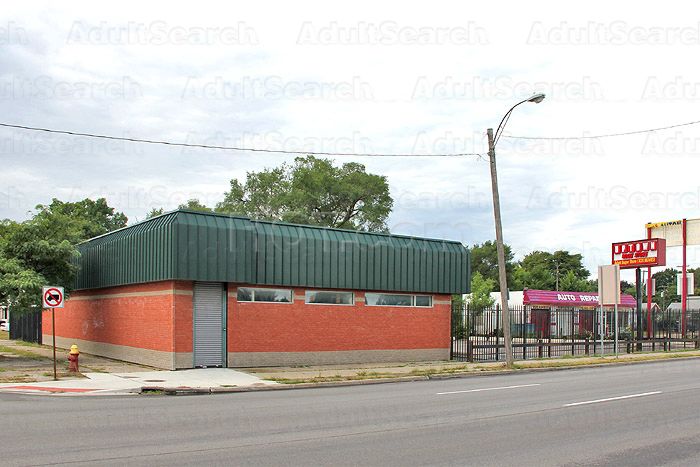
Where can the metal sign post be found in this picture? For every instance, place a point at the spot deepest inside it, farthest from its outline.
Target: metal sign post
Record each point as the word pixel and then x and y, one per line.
pixel 609 292
pixel 616 329
pixel 601 327
pixel 52 298
pixel 53 331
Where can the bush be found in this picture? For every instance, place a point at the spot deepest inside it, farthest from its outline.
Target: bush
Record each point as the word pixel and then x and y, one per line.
pixel 460 332
pixel 667 323
pixel 625 334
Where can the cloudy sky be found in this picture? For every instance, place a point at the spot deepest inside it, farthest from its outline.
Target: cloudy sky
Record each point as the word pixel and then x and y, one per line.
pixel 365 77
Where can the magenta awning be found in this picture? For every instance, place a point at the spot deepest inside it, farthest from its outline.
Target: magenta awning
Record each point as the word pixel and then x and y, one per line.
pixel 549 297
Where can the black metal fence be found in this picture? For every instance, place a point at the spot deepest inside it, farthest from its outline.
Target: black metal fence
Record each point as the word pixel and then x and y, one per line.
pixel 26 325
pixel 542 332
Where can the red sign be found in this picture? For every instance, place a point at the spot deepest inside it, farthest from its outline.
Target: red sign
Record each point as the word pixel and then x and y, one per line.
pixel 52 297
pixel 639 253
pixel 577 299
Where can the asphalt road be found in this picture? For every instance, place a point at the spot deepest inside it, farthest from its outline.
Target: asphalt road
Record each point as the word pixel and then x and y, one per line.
pixel 629 415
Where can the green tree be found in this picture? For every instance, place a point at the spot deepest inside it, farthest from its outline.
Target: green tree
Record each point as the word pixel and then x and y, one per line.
pixel 19 286
pixel 484 260
pixel 696 273
pixel 34 253
pixel 313 191
pixel 195 205
pixel 536 277
pixel 568 262
pixel 40 251
pixel 628 288
pixel 592 285
pixel 666 284
pixel 481 292
pixel 154 213
pixel 553 271
pixel 90 217
pixel 263 196
pixel 574 284
pixel 459 327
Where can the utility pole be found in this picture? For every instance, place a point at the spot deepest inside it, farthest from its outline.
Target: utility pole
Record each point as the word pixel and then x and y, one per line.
pixel 500 248
pixel 500 251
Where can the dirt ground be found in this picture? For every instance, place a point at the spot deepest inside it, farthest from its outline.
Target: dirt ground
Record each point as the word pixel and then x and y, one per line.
pixel 23 362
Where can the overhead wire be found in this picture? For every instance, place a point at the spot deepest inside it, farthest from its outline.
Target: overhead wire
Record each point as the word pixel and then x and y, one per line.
pixel 480 156
pixel 232 148
pixel 609 135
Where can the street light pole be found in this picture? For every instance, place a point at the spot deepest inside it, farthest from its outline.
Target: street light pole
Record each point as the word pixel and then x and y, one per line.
pixel 500 252
pixel 500 248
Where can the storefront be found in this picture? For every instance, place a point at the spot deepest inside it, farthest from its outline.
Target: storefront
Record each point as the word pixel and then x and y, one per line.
pixel 558 313
pixel 190 289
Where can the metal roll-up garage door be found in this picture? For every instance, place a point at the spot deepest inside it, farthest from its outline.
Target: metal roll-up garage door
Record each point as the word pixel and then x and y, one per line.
pixel 209 327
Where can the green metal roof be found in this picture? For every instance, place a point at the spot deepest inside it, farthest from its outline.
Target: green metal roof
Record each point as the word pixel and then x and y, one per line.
pixel 198 246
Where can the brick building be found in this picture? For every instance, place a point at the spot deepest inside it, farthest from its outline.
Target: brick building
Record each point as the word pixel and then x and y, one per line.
pixel 189 289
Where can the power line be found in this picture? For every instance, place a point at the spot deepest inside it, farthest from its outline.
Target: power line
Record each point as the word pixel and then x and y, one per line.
pixel 627 133
pixel 233 148
pixel 480 156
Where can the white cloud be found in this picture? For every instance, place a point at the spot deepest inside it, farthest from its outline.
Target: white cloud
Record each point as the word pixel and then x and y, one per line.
pixel 363 77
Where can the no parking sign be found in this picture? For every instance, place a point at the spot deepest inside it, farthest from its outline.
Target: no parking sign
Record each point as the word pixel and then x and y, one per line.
pixel 52 297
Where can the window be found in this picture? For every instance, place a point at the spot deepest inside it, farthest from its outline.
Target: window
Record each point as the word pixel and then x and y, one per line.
pixel 330 298
pixel 246 294
pixel 381 299
pixel 424 300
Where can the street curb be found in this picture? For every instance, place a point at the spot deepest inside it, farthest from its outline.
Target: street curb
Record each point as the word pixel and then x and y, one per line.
pixel 278 387
pixel 556 368
pixel 170 391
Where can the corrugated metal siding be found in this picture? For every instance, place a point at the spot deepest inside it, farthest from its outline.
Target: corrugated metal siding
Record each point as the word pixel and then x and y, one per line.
pixel 194 246
pixel 212 248
pixel 327 258
pixel 141 253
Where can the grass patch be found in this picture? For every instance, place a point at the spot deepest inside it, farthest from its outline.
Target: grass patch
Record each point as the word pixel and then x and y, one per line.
pixel 20 352
pixel 288 381
pixel 559 362
pixel 359 376
pixel 28 344
pixel 4 335
pixel 17 379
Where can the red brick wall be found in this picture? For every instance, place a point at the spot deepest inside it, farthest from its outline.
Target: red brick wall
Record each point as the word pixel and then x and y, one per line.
pixel 298 327
pixel 142 319
pixel 182 314
pixel 158 316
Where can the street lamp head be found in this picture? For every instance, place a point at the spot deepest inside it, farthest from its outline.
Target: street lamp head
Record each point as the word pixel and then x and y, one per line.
pixel 537 98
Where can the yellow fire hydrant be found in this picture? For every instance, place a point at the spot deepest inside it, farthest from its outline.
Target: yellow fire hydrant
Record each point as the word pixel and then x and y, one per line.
pixel 73 356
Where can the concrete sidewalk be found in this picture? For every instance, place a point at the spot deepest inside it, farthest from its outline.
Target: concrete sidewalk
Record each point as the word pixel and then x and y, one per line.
pixel 27 368
pixel 209 379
